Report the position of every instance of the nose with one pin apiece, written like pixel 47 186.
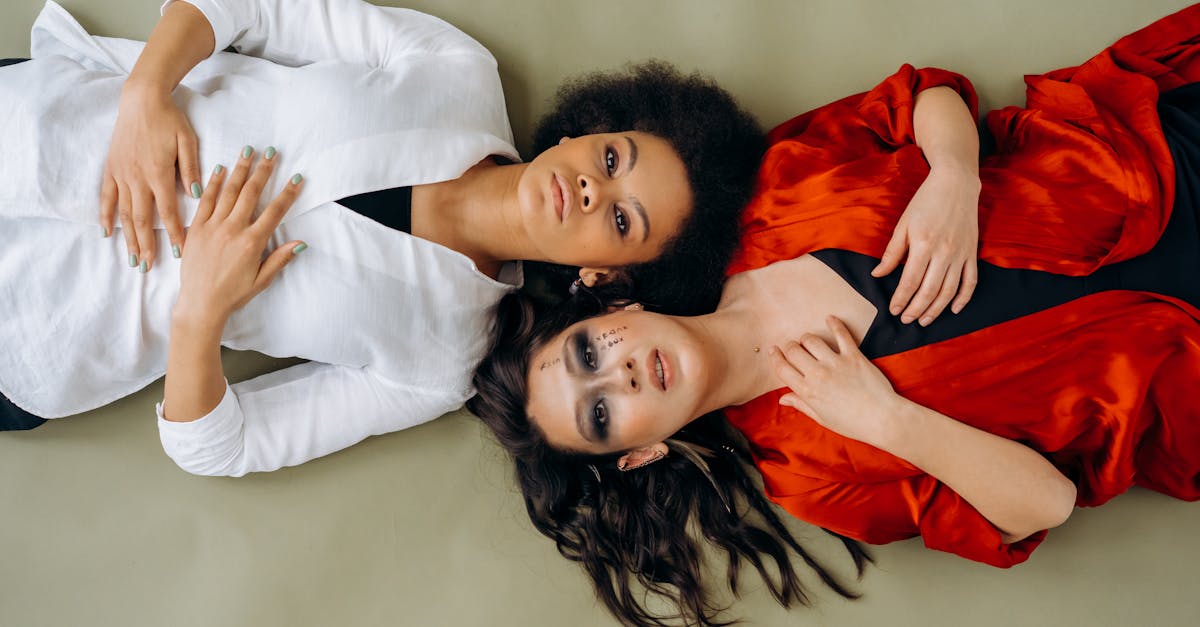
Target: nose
pixel 625 377
pixel 590 193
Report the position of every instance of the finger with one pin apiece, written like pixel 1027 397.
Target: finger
pixel 278 207
pixel 168 211
pixel 108 204
pixel 798 357
pixel 143 226
pixel 233 185
pixel 966 289
pixel 188 152
pixel 949 288
pixel 893 254
pixel 208 200
pixel 125 210
pixel 785 371
pixel 817 347
pixel 931 283
pixel 910 281
pixel 792 400
pixel 275 262
pixel 252 191
pixel 846 344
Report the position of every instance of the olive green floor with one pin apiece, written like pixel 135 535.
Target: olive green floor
pixel 98 527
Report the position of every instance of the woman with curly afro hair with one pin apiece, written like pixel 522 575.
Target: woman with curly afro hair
pixel 399 178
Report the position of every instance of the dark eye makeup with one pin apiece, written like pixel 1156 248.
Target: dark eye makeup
pixel 587 358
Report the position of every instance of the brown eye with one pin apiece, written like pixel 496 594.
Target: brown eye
pixel 620 220
pixel 610 160
pixel 600 415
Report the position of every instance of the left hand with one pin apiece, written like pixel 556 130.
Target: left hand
pixel 840 389
pixel 939 231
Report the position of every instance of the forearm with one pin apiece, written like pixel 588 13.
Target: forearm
pixel 181 39
pixel 1010 484
pixel 195 381
pixel 945 131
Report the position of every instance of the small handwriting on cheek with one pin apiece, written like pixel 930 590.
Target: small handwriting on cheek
pixel 552 362
pixel 610 338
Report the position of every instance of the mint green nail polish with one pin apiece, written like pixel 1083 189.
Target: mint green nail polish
pixel 144 267
pixel 247 151
pixel 132 260
pixel 196 190
pixel 270 153
pixel 219 169
pixel 296 179
pixel 105 229
pixel 299 248
pixel 175 250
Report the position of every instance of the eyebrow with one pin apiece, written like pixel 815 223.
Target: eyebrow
pixel 637 204
pixel 581 421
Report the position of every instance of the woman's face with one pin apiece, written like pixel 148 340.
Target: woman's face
pixel 605 200
pixel 618 382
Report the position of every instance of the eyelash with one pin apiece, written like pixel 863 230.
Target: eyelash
pixel 620 220
pixel 610 160
pixel 599 410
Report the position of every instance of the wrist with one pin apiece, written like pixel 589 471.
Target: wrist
pixel 904 424
pixel 143 88
pixel 197 322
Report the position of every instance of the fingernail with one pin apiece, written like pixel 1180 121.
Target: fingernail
pixel 196 190
pixel 219 169
pixel 247 151
pixel 906 319
pixel 270 153
pixel 925 321
pixel 132 260
pixel 144 267
pixel 895 310
pixel 175 250
pixel 296 179
pixel 105 229
pixel 299 248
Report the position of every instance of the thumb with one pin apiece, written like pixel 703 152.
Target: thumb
pixel 275 262
pixel 893 254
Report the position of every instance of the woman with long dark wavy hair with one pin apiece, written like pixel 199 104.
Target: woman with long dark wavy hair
pixel 1066 381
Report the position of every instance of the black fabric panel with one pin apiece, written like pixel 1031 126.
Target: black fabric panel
pixel 389 207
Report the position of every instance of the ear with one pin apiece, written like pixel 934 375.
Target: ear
pixel 592 277
pixel 640 457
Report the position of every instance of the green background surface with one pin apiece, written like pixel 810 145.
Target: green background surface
pixel 424 527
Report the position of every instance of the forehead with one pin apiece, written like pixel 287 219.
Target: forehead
pixel 551 401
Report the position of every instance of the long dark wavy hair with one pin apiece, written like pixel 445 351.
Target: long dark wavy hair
pixel 631 530
pixel 720 145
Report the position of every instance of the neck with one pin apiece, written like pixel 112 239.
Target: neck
pixel 738 355
pixel 477 214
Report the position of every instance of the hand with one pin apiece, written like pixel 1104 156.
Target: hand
pixel 841 390
pixel 224 267
pixel 939 231
pixel 150 137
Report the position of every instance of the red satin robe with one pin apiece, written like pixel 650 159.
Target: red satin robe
pixel 1105 386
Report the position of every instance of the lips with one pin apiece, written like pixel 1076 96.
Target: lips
pixel 659 368
pixel 561 192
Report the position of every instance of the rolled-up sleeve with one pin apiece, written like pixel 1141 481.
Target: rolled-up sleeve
pixel 290 416
pixel 297 33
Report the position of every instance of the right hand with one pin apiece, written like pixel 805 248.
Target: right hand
pixel 152 135
pixel 225 267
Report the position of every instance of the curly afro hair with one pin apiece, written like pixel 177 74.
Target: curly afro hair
pixel 720 145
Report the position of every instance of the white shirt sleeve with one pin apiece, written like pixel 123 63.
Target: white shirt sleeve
pixel 298 32
pixel 290 416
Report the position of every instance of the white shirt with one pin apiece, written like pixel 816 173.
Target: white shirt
pixel 357 98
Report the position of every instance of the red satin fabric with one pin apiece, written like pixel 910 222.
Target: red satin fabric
pixel 1104 385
